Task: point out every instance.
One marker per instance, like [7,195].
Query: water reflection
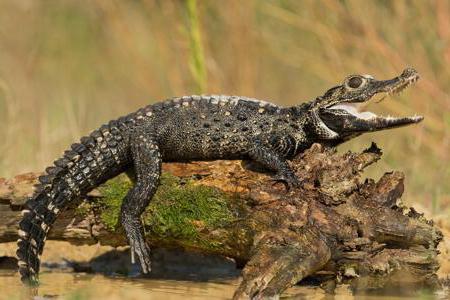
[175,275]
[88,286]
[82,286]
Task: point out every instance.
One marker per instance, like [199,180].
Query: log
[334,229]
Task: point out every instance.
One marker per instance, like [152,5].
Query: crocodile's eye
[355,82]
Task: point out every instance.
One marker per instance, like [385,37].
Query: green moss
[179,210]
[83,209]
[113,193]
[182,211]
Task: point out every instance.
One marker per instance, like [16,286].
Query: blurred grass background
[66,66]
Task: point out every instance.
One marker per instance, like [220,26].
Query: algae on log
[335,228]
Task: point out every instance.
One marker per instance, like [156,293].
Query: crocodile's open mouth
[350,114]
[384,89]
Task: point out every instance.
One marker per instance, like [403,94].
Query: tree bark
[334,228]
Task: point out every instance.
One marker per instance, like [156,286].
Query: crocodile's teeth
[398,89]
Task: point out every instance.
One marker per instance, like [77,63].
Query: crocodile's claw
[139,247]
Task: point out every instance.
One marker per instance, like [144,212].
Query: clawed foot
[289,180]
[138,246]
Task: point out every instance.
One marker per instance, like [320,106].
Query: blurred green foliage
[67,66]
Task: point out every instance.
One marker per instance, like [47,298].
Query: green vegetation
[113,192]
[197,58]
[179,210]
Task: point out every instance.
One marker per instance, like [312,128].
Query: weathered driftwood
[334,228]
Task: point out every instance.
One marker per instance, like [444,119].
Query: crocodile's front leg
[274,161]
[147,167]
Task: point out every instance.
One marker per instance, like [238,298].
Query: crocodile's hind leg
[147,169]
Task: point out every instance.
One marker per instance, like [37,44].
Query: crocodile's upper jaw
[346,114]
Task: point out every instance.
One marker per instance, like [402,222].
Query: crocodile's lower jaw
[392,121]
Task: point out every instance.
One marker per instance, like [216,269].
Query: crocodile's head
[340,113]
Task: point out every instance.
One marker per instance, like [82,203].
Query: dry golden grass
[67,66]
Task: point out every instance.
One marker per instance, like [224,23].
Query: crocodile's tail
[39,214]
[98,157]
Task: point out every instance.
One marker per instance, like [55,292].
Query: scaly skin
[194,128]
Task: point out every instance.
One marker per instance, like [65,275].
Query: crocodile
[193,128]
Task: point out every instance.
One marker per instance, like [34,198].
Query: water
[88,286]
[175,275]
[81,286]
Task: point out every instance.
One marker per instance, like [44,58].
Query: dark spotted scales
[184,129]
